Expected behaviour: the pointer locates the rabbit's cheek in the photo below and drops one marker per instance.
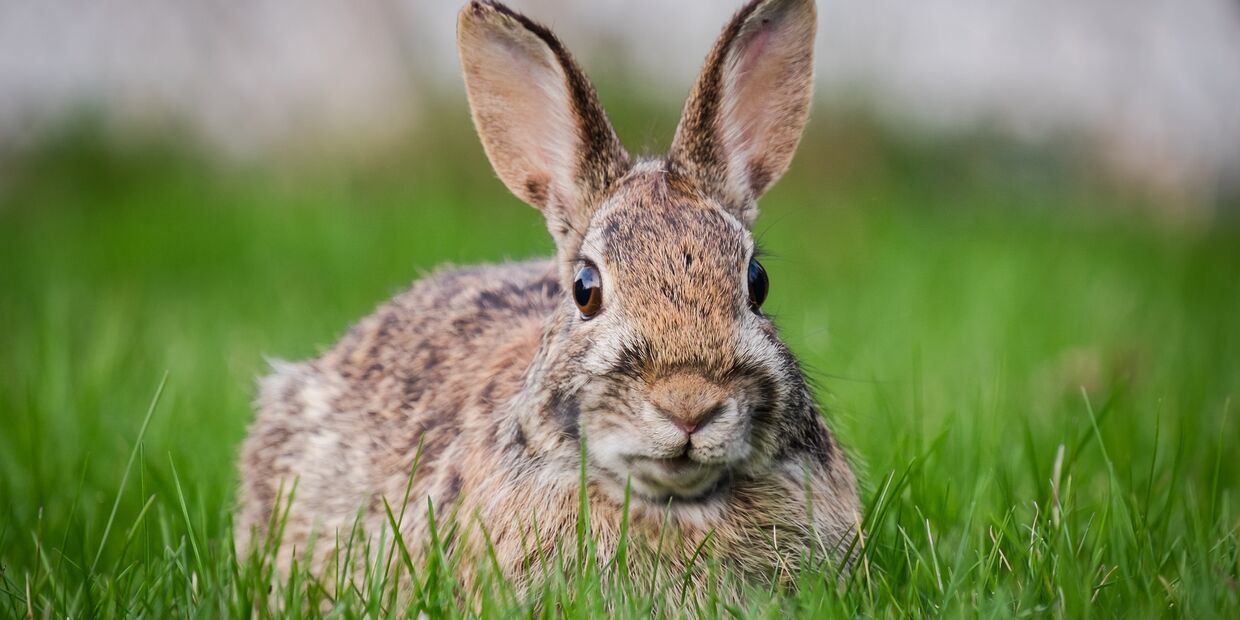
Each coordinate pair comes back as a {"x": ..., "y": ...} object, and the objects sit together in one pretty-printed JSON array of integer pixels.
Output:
[{"x": 607, "y": 452}]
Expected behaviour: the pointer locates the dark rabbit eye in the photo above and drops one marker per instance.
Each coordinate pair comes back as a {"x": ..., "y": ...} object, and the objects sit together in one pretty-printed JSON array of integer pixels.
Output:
[
  {"x": 758, "y": 284},
  {"x": 588, "y": 291}
]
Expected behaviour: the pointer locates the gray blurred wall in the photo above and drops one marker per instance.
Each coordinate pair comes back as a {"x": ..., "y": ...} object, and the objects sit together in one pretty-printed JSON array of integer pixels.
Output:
[{"x": 1154, "y": 84}]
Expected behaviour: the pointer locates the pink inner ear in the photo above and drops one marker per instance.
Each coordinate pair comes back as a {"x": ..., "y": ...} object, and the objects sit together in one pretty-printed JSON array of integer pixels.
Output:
[
  {"x": 531, "y": 127},
  {"x": 755, "y": 46},
  {"x": 766, "y": 87},
  {"x": 752, "y": 103}
]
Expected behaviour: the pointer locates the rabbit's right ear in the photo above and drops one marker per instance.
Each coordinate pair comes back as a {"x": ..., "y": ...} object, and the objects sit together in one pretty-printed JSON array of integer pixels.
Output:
[{"x": 539, "y": 118}]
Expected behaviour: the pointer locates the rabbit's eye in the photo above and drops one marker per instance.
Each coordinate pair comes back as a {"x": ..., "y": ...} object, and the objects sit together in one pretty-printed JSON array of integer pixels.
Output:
[
  {"x": 588, "y": 291},
  {"x": 758, "y": 284}
]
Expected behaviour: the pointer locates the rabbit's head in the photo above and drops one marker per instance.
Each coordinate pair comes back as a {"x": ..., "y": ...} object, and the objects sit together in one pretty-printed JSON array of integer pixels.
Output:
[{"x": 660, "y": 353}]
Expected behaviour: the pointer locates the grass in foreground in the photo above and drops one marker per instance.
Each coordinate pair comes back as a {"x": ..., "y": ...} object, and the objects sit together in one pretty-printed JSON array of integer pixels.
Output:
[{"x": 1036, "y": 384}]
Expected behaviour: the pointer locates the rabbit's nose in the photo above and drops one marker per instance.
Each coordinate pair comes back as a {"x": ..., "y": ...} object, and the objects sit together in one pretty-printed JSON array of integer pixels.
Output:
[
  {"x": 692, "y": 423},
  {"x": 688, "y": 400}
]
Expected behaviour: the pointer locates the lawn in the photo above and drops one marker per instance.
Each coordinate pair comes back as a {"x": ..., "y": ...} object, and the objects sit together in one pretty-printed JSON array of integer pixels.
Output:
[{"x": 1035, "y": 377}]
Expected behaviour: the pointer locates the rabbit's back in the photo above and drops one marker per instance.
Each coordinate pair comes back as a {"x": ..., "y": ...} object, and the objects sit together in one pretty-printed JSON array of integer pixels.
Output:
[{"x": 416, "y": 380}]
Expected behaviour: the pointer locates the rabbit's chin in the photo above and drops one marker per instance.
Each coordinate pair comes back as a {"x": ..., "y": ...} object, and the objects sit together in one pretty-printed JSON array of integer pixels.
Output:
[{"x": 679, "y": 478}]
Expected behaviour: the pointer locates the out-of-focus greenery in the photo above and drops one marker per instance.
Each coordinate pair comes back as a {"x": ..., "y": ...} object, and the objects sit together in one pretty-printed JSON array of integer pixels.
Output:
[{"x": 1035, "y": 378}]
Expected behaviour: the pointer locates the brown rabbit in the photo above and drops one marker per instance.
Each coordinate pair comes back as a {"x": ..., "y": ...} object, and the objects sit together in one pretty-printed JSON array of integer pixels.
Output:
[{"x": 641, "y": 343}]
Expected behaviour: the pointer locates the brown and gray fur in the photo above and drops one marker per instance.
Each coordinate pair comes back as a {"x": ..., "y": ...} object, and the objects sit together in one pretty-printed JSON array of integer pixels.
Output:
[{"x": 495, "y": 378}]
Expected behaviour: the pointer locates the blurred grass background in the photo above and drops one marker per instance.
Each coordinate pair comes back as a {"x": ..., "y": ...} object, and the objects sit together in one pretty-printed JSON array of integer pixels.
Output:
[{"x": 963, "y": 305}]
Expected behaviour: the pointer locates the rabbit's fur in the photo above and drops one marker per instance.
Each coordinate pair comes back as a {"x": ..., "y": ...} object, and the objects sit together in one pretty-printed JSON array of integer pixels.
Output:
[{"x": 494, "y": 377}]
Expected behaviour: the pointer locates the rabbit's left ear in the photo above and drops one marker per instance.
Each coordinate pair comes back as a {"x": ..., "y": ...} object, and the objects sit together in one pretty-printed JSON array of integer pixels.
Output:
[
  {"x": 746, "y": 112},
  {"x": 539, "y": 118}
]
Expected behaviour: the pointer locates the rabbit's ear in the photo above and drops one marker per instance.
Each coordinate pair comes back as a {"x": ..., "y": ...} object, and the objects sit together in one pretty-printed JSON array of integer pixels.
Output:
[
  {"x": 539, "y": 118},
  {"x": 746, "y": 112}
]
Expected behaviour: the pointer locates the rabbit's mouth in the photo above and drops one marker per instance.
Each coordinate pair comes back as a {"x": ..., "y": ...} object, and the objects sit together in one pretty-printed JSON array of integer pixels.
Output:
[{"x": 659, "y": 459}]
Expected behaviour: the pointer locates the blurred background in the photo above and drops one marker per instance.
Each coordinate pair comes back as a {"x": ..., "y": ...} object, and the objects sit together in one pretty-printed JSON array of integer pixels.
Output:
[
  {"x": 1147, "y": 87},
  {"x": 999, "y": 208}
]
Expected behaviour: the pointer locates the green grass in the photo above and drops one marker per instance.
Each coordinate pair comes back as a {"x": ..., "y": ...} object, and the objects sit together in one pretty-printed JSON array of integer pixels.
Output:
[{"x": 1036, "y": 380}]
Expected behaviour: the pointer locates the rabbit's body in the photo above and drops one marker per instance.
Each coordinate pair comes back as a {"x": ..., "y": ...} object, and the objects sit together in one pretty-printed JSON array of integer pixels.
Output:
[
  {"x": 429, "y": 371},
  {"x": 653, "y": 367}
]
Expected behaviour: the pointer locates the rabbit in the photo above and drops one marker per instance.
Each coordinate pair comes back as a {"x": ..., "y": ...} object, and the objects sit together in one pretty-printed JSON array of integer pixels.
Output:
[{"x": 633, "y": 373}]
